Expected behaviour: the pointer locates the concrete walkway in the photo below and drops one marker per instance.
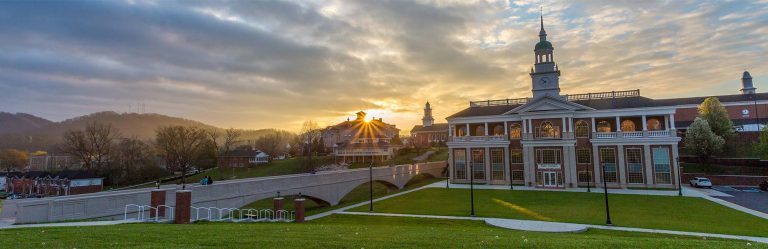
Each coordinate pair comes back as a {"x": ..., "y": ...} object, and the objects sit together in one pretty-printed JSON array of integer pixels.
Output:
[
  {"x": 544, "y": 226},
  {"x": 424, "y": 156},
  {"x": 69, "y": 224}
]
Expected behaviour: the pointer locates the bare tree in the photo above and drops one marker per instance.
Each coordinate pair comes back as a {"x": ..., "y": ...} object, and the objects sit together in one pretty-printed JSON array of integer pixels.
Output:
[
  {"x": 181, "y": 146},
  {"x": 214, "y": 135},
  {"x": 13, "y": 159},
  {"x": 231, "y": 137},
  {"x": 274, "y": 144},
  {"x": 131, "y": 154},
  {"x": 93, "y": 145},
  {"x": 310, "y": 132}
]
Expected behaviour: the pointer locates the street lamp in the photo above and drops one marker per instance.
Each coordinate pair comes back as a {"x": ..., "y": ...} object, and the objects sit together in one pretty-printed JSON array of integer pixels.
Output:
[
  {"x": 679, "y": 178},
  {"x": 605, "y": 189},
  {"x": 472, "y": 192},
  {"x": 511, "y": 187},
  {"x": 370, "y": 186}
]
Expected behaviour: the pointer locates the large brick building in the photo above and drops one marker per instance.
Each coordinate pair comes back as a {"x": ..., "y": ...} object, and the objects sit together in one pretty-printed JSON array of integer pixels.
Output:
[
  {"x": 362, "y": 139},
  {"x": 551, "y": 140}
]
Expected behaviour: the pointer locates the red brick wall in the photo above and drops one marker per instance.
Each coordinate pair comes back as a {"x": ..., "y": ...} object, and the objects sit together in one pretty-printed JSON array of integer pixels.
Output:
[{"x": 734, "y": 112}]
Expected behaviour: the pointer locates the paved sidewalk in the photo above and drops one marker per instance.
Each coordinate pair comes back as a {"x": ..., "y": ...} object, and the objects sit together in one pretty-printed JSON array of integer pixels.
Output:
[
  {"x": 70, "y": 224},
  {"x": 545, "y": 226},
  {"x": 424, "y": 156}
]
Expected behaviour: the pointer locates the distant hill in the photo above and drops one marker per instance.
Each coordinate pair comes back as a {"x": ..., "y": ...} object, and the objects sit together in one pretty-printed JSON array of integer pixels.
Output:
[
  {"x": 20, "y": 122},
  {"x": 47, "y": 135}
]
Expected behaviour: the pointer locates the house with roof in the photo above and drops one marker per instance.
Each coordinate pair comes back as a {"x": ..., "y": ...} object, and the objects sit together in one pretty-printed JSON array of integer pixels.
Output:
[
  {"x": 362, "y": 139},
  {"x": 552, "y": 140},
  {"x": 428, "y": 132},
  {"x": 242, "y": 158}
]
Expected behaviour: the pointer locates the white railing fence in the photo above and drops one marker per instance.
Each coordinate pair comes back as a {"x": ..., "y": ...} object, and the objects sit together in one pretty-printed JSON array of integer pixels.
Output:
[{"x": 146, "y": 213}]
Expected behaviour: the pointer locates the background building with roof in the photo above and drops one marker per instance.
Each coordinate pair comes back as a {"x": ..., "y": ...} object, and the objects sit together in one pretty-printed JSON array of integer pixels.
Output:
[
  {"x": 362, "y": 140},
  {"x": 428, "y": 132},
  {"x": 242, "y": 158}
]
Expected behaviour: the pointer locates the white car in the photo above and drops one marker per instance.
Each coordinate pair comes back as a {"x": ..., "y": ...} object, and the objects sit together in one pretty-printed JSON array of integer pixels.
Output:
[{"x": 701, "y": 182}]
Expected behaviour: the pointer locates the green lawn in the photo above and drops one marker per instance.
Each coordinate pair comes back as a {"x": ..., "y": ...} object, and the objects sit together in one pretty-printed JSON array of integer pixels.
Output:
[
  {"x": 342, "y": 231},
  {"x": 357, "y": 195},
  {"x": 659, "y": 212},
  {"x": 276, "y": 167}
]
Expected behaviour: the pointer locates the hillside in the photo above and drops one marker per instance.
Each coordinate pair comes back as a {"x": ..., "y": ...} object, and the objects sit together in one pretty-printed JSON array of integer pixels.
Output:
[
  {"x": 143, "y": 126},
  {"x": 20, "y": 122}
]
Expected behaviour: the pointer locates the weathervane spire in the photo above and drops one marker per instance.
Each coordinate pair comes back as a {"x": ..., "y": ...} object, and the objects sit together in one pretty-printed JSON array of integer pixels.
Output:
[{"x": 542, "y": 33}]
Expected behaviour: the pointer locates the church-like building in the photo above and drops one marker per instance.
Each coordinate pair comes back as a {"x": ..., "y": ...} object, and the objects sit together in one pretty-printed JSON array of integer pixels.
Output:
[
  {"x": 428, "y": 133},
  {"x": 551, "y": 140}
]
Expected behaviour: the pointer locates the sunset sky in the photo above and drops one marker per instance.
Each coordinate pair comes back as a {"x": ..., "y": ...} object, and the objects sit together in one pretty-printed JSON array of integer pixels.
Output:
[{"x": 274, "y": 64}]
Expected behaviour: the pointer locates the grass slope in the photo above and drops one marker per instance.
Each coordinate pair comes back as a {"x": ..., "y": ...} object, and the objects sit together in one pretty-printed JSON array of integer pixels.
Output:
[
  {"x": 643, "y": 211},
  {"x": 359, "y": 194},
  {"x": 341, "y": 231}
]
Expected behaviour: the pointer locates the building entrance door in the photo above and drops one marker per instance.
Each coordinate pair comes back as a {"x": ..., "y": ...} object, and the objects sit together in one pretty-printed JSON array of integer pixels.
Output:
[{"x": 550, "y": 179}]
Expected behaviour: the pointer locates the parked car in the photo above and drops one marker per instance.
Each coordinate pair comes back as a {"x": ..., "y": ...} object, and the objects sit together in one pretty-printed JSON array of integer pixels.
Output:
[
  {"x": 764, "y": 185},
  {"x": 701, "y": 182}
]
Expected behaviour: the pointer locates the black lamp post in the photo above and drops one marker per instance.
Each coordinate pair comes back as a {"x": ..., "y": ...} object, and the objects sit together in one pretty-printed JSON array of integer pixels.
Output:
[
  {"x": 370, "y": 187},
  {"x": 472, "y": 192},
  {"x": 605, "y": 189},
  {"x": 511, "y": 187},
  {"x": 679, "y": 178}
]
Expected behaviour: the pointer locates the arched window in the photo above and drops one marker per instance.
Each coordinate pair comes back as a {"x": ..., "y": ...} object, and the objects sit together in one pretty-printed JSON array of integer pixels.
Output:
[
  {"x": 653, "y": 124},
  {"x": 603, "y": 126},
  {"x": 461, "y": 131},
  {"x": 582, "y": 129},
  {"x": 498, "y": 130},
  {"x": 547, "y": 130},
  {"x": 627, "y": 125},
  {"x": 515, "y": 131},
  {"x": 479, "y": 130}
]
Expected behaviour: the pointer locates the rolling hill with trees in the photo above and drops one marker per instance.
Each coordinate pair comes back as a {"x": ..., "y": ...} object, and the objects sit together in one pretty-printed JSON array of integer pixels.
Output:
[{"x": 31, "y": 133}]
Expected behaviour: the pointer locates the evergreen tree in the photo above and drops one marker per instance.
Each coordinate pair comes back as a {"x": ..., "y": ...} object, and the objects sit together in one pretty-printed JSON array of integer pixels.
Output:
[{"x": 700, "y": 140}]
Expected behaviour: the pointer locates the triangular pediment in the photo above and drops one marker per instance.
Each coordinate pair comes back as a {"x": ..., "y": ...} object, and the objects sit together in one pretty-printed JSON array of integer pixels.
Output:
[{"x": 548, "y": 104}]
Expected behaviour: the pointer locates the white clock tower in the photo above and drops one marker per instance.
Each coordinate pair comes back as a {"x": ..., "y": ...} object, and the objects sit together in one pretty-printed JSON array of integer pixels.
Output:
[{"x": 545, "y": 75}]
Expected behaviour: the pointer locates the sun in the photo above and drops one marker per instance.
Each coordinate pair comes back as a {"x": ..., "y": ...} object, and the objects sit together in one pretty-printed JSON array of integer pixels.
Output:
[{"x": 368, "y": 119}]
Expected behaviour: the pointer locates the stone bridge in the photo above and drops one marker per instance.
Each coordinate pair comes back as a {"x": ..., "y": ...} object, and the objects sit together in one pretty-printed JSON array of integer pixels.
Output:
[{"x": 329, "y": 187}]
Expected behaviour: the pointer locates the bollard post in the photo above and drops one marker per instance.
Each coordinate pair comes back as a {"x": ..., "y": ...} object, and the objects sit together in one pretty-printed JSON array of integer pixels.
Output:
[
  {"x": 157, "y": 198},
  {"x": 298, "y": 204},
  {"x": 183, "y": 209},
  {"x": 278, "y": 202}
]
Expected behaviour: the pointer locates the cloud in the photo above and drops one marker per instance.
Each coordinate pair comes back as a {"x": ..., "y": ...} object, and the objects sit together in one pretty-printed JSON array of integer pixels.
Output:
[{"x": 260, "y": 64}]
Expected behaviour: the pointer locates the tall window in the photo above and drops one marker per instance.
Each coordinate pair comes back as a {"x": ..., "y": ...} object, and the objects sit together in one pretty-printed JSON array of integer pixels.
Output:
[
  {"x": 547, "y": 130},
  {"x": 514, "y": 131},
  {"x": 549, "y": 156},
  {"x": 479, "y": 130},
  {"x": 627, "y": 125},
  {"x": 661, "y": 165},
  {"x": 461, "y": 131},
  {"x": 653, "y": 124},
  {"x": 478, "y": 164},
  {"x": 603, "y": 126},
  {"x": 608, "y": 159},
  {"x": 459, "y": 164},
  {"x": 584, "y": 177},
  {"x": 582, "y": 129},
  {"x": 517, "y": 175},
  {"x": 497, "y": 164},
  {"x": 634, "y": 158},
  {"x": 583, "y": 156},
  {"x": 516, "y": 156},
  {"x": 498, "y": 130}
]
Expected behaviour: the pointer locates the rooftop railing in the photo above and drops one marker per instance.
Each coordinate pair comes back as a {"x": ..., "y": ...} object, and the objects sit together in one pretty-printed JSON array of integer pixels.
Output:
[{"x": 570, "y": 97}]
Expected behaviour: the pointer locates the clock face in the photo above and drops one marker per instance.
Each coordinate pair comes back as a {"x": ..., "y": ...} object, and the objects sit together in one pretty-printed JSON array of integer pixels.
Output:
[
  {"x": 745, "y": 112},
  {"x": 544, "y": 81}
]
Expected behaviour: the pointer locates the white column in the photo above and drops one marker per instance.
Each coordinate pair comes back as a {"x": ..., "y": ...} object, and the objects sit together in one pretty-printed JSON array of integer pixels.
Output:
[
  {"x": 487, "y": 164},
  {"x": 563, "y": 118},
  {"x": 596, "y": 163},
  {"x": 648, "y": 164},
  {"x": 620, "y": 166},
  {"x": 666, "y": 122},
  {"x": 486, "y": 128},
  {"x": 645, "y": 127},
  {"x": 618, "y": 124},
  {"x": 525, "y": 125},
  {"x": 594, "y": 129},
  {"x": 570, "y": 124},
  {"x": 530, "y": 126},
  {"x": 450, "y": 165},
  {"x": 672, "y": 121},
  {"x": 467, "y": 130},
  {"x": 675, "y": 164},
  {"x": 506, "y": 128},
  {"x": 507, "y": 165}
]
